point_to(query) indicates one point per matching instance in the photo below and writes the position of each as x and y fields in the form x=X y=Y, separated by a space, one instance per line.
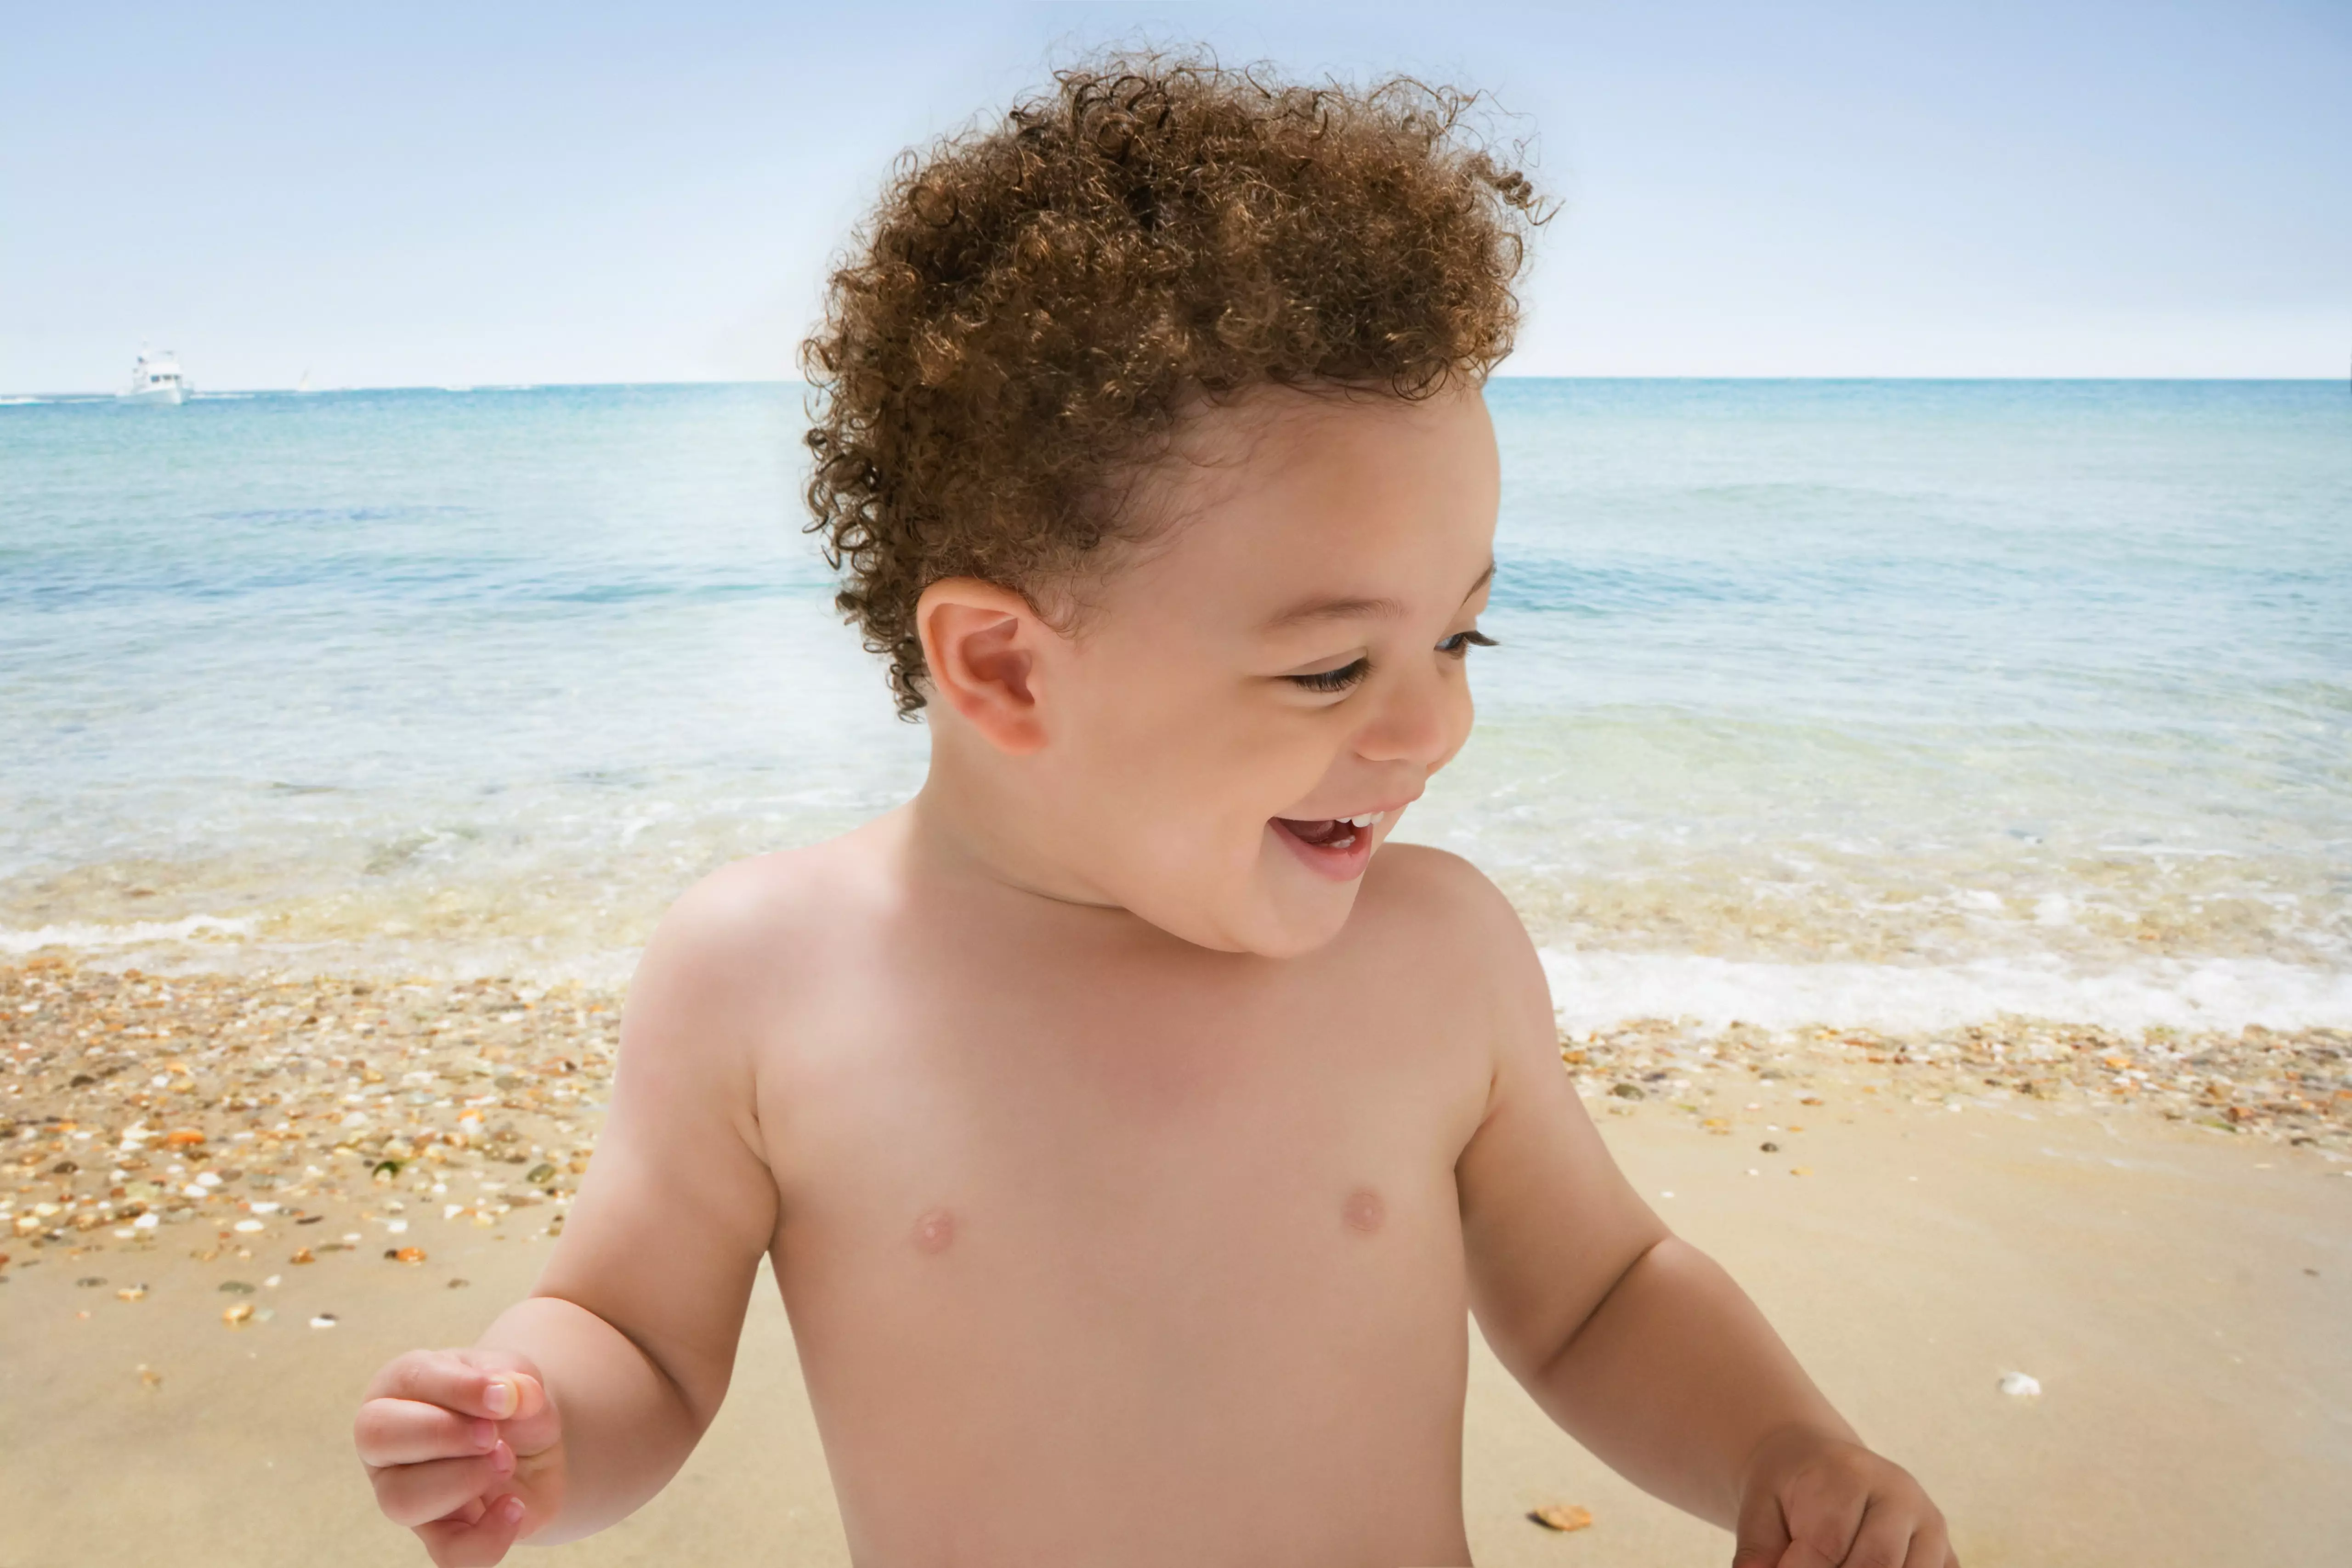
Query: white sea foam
x=75 y=934
x=1594 y=989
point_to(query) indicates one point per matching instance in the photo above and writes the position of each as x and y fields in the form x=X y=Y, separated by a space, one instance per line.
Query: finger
x=459 y=1543
x=1883 y=1540
x=1931 y=1547
x=414 y=1494
x=453 y=1380
x=1802 y=1554
x=405 y=1432
x=1824 y=1510
x=533 y=1420
x=1761 y=1534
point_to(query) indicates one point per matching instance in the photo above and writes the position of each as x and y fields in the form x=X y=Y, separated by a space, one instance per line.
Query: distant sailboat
x=156 y=378
x=304 y=384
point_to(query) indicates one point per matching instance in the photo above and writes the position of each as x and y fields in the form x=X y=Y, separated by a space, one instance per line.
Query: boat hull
x=154 y=394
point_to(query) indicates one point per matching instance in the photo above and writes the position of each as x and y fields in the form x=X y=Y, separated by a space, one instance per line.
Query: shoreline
x=358 y=1095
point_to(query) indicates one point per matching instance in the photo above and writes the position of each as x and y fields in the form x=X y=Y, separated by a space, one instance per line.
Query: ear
x=983 y=646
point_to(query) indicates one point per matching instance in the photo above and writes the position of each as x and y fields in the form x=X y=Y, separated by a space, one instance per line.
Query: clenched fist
x=464 y=1447
x=1812 y=1501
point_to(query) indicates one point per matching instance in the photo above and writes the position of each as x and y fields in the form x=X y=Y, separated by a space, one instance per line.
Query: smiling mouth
x=1329 y=832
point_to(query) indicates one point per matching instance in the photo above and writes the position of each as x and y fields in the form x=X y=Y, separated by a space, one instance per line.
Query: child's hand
x=462 y=1445
x=1815 y=1502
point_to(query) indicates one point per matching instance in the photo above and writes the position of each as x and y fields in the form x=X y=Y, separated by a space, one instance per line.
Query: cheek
x=1461 y=715
x=1217 y=756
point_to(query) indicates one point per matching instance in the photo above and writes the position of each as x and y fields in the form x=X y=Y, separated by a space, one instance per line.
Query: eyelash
x=1457 y=646
x=1337 y=680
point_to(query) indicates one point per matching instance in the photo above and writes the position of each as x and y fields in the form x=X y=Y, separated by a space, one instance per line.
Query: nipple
x=934 y=1229
x=1364 y=1210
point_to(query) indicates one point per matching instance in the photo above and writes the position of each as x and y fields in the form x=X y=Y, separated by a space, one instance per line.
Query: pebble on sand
x=1563 y=1516
x=2019 y=1386
x=2289 y=1086
x=241 y=1102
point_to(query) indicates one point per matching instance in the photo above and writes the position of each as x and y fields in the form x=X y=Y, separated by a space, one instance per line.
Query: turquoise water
x=1888 y=702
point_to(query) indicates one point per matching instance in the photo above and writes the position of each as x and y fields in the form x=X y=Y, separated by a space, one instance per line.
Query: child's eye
x=1458 y=646
x=1337 y=680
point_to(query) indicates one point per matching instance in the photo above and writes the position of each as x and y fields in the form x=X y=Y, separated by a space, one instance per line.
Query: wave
x=1594 y=989
x=136 y=933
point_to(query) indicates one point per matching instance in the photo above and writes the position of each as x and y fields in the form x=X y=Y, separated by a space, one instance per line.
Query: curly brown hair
x=1030 y=308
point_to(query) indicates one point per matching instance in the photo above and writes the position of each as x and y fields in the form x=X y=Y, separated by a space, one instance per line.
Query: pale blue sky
x=455 y=194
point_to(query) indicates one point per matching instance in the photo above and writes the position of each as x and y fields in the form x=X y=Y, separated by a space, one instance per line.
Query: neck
x=976 y=820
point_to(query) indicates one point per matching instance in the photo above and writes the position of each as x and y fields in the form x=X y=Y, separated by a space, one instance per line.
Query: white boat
x=156 y=378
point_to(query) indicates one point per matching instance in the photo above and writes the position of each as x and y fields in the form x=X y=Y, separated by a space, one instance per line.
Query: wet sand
x=2177 y=1277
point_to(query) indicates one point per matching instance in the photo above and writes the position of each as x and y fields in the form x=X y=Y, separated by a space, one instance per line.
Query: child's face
x=1290 y=653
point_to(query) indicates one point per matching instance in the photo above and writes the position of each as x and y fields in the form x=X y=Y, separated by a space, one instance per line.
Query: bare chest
x=1110 y=1231
x=1105 y=1131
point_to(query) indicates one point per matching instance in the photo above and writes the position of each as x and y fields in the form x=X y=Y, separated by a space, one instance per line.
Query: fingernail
x=485 y=1434
x=500 y=1398
x=510 y=1507
x=502 y=1458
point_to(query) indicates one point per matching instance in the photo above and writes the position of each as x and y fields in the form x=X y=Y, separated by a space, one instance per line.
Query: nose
x=1423 y=719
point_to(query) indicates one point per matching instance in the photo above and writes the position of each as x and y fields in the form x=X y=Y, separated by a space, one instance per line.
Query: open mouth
x=1336 y=846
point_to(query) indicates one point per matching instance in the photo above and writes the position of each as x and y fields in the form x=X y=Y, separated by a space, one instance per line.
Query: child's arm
x=1636 y=1342
x=618 y=1359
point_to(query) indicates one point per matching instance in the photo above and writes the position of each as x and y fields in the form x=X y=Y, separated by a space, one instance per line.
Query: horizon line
x=22 y=397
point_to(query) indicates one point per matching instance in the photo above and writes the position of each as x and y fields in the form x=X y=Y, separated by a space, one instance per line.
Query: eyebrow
x=1353 y=609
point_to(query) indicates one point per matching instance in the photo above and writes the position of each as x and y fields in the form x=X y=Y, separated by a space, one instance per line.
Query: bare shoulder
x=739 y=954
x=1455 y=924
x=1440 y=899
x=754 y=920
x=681 y=1199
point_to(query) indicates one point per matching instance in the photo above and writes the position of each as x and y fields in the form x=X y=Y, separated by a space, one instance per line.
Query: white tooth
x=1366 y=821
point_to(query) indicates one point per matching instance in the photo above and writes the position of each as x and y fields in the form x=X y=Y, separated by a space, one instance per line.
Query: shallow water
x=1876 y=702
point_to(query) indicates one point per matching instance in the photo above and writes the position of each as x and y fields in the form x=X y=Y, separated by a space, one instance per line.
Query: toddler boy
x=1130 y=1127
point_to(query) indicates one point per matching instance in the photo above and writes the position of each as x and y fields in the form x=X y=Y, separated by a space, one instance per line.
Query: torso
x=1153 y=1258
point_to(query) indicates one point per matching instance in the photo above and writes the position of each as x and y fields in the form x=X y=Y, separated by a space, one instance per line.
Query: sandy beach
x=318 y=1173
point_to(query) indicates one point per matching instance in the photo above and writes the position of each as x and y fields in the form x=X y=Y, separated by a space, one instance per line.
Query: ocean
x=1891 y=704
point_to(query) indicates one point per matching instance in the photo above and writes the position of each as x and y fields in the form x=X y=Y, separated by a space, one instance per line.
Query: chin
x=1289 y=923
x=1263 y=922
